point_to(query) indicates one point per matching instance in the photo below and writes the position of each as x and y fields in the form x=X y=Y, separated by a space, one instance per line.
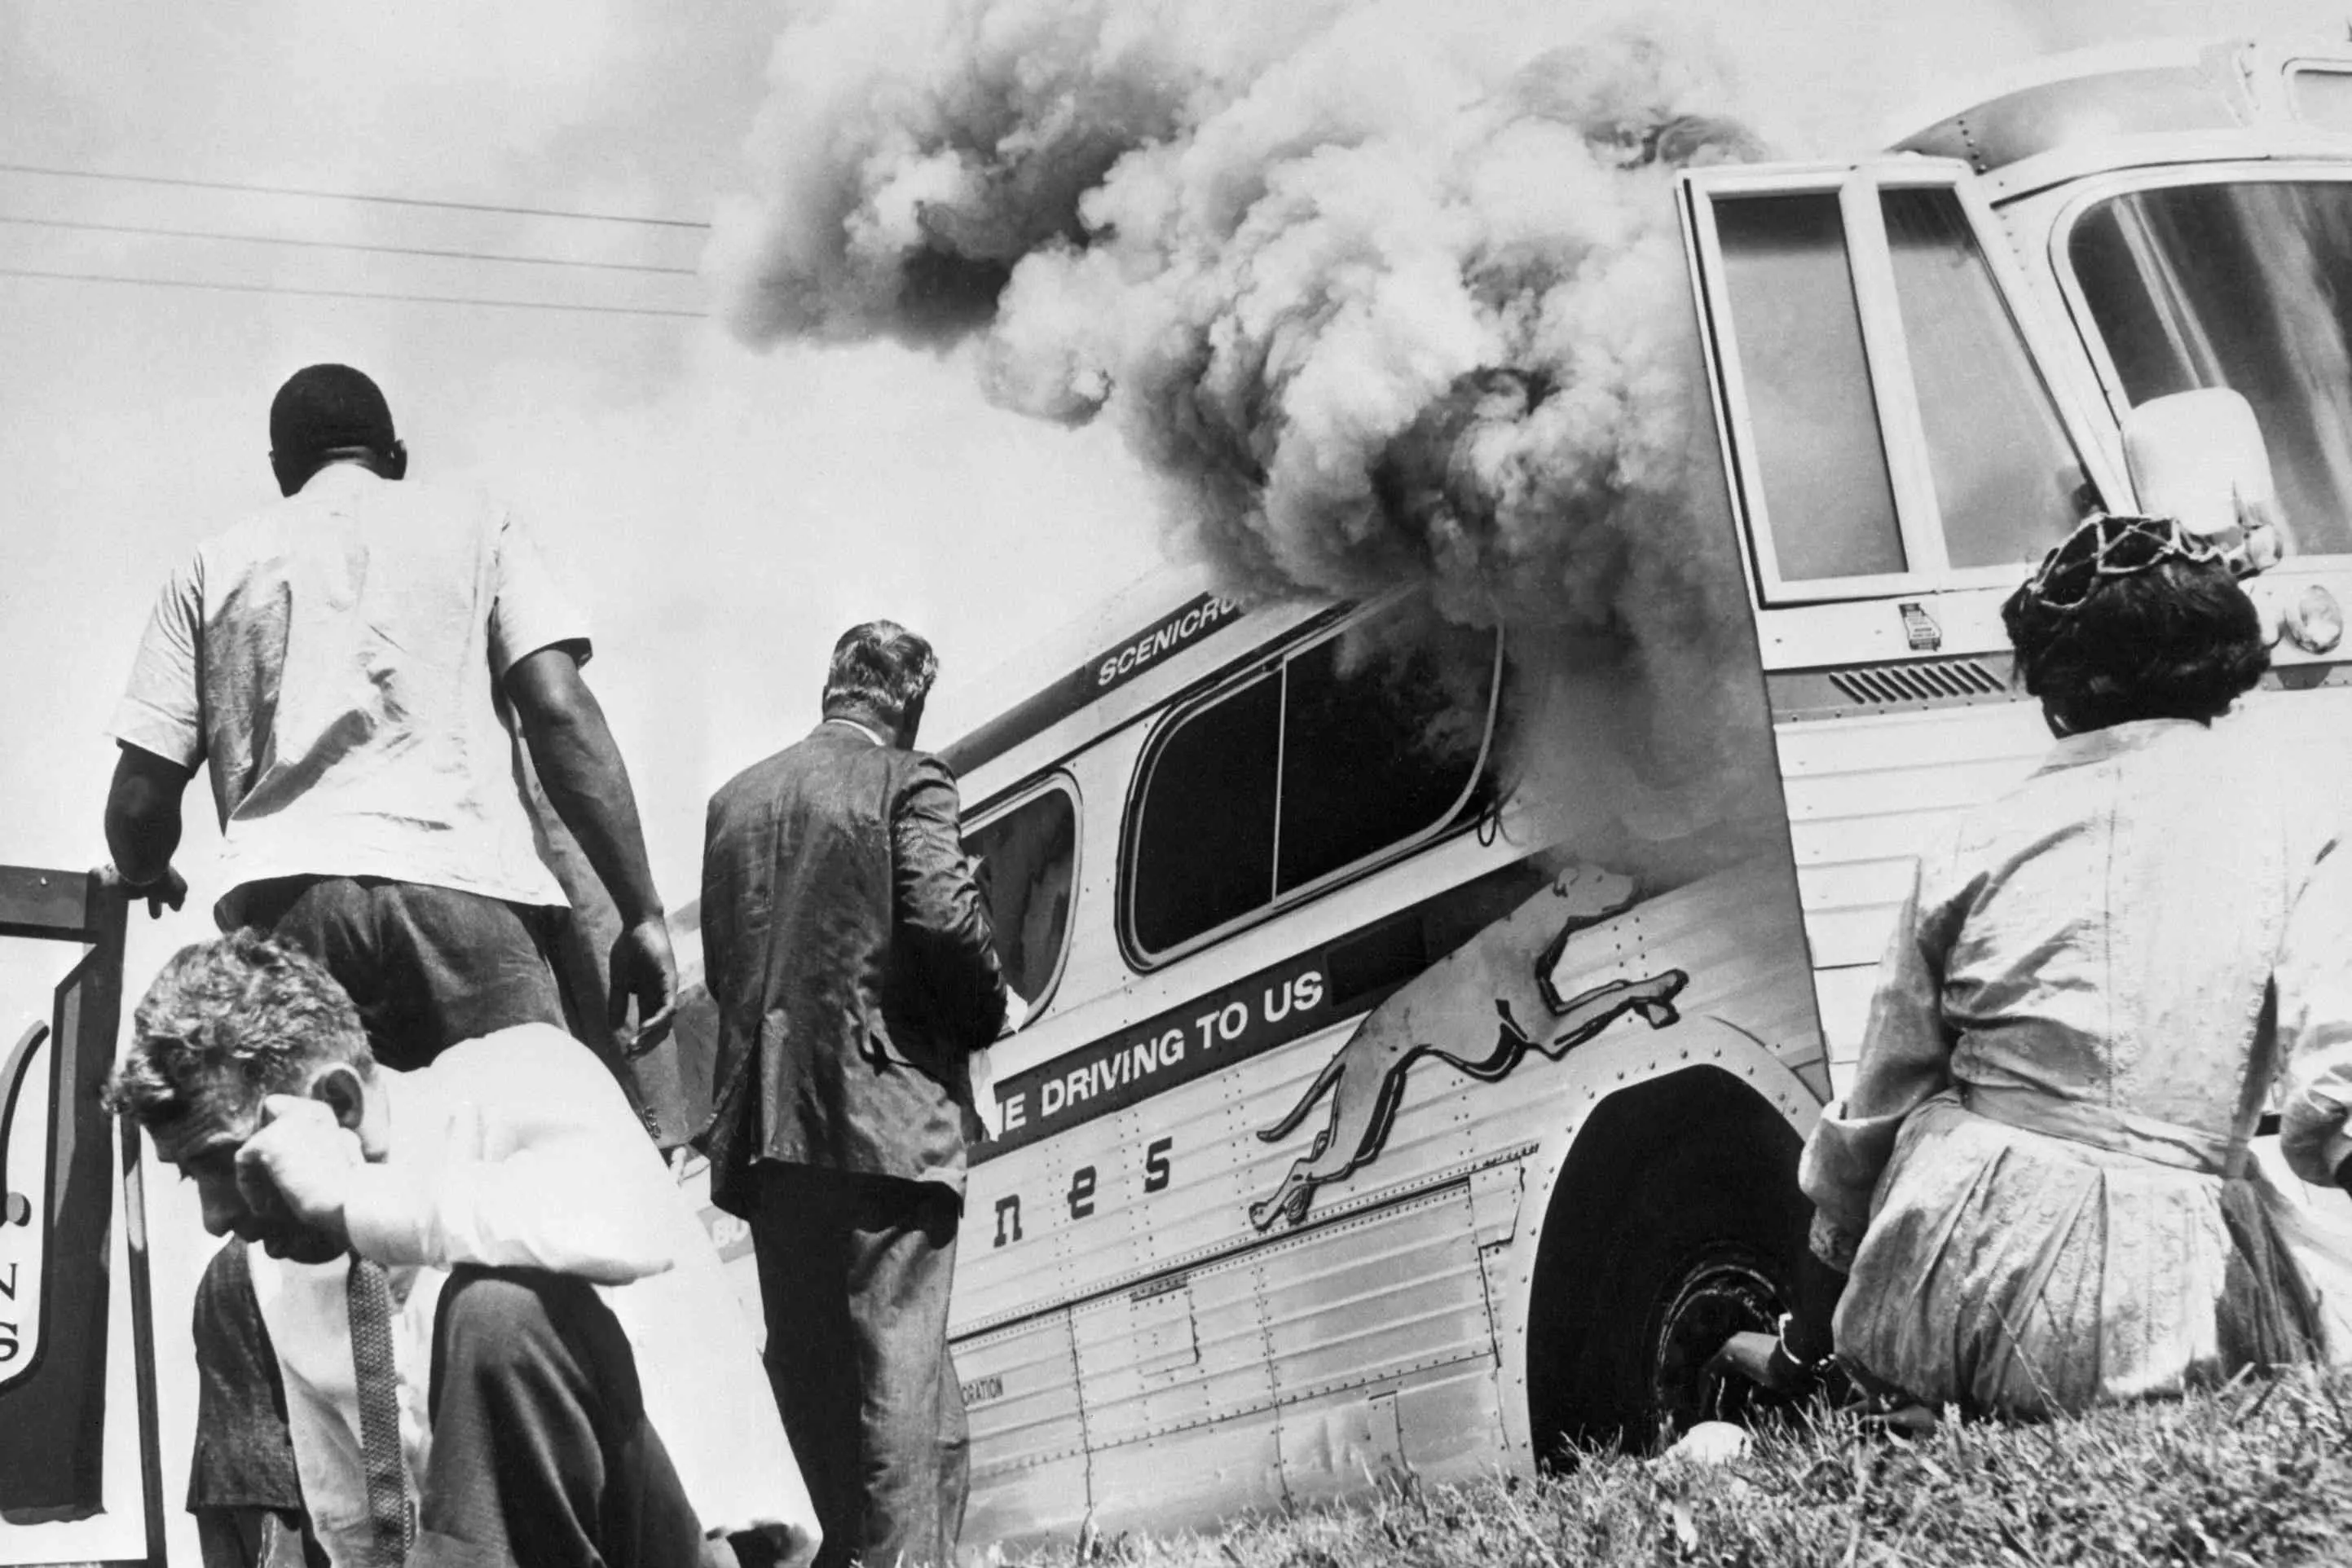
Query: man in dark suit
x=848 y=949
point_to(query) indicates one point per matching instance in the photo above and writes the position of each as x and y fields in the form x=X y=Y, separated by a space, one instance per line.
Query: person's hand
x=644 y=970
x=299 y=1165
x=1760 y=1359
x=171 y=888
x=1016 y=1012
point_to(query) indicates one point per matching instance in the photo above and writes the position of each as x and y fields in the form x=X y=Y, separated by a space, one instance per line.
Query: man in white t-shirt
x=360 y=668
x=353 y=666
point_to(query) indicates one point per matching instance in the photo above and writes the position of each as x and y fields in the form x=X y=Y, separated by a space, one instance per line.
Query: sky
x=723 y=512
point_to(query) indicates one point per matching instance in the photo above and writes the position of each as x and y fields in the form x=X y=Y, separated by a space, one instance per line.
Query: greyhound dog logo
x=1365 y=1077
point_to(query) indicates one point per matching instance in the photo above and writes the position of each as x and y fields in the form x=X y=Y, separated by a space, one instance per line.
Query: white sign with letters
x=24 y=1186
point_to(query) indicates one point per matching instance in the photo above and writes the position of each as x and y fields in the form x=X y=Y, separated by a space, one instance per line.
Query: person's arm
x=1906 y=1057
x=159 y=725
x=581 y=768
x=941 y=916
x=2314 y=978
x=566 y=1201
x=717 y=905
x=143 y=827
x=540 y=1165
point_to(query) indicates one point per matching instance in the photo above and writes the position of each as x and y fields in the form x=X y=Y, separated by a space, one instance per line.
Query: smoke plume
x=1383 y=293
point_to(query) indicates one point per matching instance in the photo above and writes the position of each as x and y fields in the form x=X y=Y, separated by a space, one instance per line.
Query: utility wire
x=11 y=168
x=341 y=244
x=345 y=293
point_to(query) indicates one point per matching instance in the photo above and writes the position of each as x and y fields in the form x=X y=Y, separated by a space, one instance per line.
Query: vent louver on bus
x=1876 y=687
x=1918 y=682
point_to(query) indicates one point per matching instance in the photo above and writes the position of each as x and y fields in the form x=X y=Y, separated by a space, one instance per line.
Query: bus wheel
x=1723 y=1289
x=1675 y=1224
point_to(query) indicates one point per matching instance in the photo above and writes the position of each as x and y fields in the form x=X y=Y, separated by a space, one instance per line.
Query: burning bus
x=1419 y=1056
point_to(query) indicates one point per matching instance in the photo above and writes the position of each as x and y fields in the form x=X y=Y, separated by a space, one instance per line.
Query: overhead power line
x=161 y=233
x=257 y=190
x=64 y=276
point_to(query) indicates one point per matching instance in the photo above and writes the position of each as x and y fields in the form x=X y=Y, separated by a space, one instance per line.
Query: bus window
x=2239 y=285
x=1204 y=826
x=1028 y=858
x=1375 y=746
x=2006 y=476
x=1820 y=460
x=1359 y=743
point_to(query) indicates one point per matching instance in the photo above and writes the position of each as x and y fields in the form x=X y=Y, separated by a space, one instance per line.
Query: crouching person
x=502 y=1335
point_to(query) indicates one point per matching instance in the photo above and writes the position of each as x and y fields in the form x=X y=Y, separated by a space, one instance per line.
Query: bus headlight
x=2315 y=622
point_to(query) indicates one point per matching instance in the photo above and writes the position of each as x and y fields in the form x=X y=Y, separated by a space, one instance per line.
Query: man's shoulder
x=826 y=748
x=291 y=524
x=531 y=1053
x=449 y=512
x=258 y=531
x=764 y=773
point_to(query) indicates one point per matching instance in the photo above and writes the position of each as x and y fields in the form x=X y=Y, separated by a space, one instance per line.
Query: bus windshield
x=2247 y=286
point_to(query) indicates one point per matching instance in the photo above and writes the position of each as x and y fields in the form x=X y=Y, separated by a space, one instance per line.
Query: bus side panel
x=1173 y=1355
x=1028 y=1438
x=1866 y=795
x=1188 y=1314
x=1190 y=1478
x=1394 y=1297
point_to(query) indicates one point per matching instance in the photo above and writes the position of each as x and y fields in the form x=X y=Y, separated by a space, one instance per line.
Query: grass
x=2257 y=1473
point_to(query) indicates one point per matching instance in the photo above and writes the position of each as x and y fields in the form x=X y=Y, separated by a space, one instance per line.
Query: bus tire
x=1676 y=1224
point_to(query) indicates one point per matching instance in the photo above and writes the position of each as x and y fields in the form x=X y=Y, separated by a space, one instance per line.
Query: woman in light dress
x=2039 y=1187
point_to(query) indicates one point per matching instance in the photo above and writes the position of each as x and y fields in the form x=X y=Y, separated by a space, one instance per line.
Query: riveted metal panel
x=1170 y=1358
x=1339 y=1444
x=1190 y=1480
x=1383 y=1295
x=1451 y=1423
x=1021 y=1395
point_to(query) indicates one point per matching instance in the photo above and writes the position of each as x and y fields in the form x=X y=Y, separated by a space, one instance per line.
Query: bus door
x=1903 y=434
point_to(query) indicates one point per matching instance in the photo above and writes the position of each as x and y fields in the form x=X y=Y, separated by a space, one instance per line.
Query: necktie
x=381 y=1459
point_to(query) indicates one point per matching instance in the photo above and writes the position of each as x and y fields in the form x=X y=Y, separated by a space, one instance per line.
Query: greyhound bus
x=1373 y=1119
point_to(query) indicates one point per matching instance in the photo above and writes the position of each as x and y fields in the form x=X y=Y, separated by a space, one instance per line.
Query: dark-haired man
x=850 y=956
x=352 y=665
x=501 y=1334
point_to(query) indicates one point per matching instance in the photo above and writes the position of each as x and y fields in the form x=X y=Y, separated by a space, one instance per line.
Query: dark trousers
x=854 y=1276
x=543 y=1456
x=425 y=966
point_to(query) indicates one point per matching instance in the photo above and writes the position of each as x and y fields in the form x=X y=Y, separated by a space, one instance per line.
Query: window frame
x=1275 y=663
x=2131 y=182
x=1060 y=781
x=1887 y=352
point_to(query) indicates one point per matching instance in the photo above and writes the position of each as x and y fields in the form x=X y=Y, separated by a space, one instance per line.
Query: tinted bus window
x=1817 y=450
x=1375 y=750
x=1205 y=828
x=2239 y=286
x=2006 y=476
x=1356 y=744
x=1028 y=858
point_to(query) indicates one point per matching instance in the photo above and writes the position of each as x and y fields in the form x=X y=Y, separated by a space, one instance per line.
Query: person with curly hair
x=2039 y=1192
x=500 y=1330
